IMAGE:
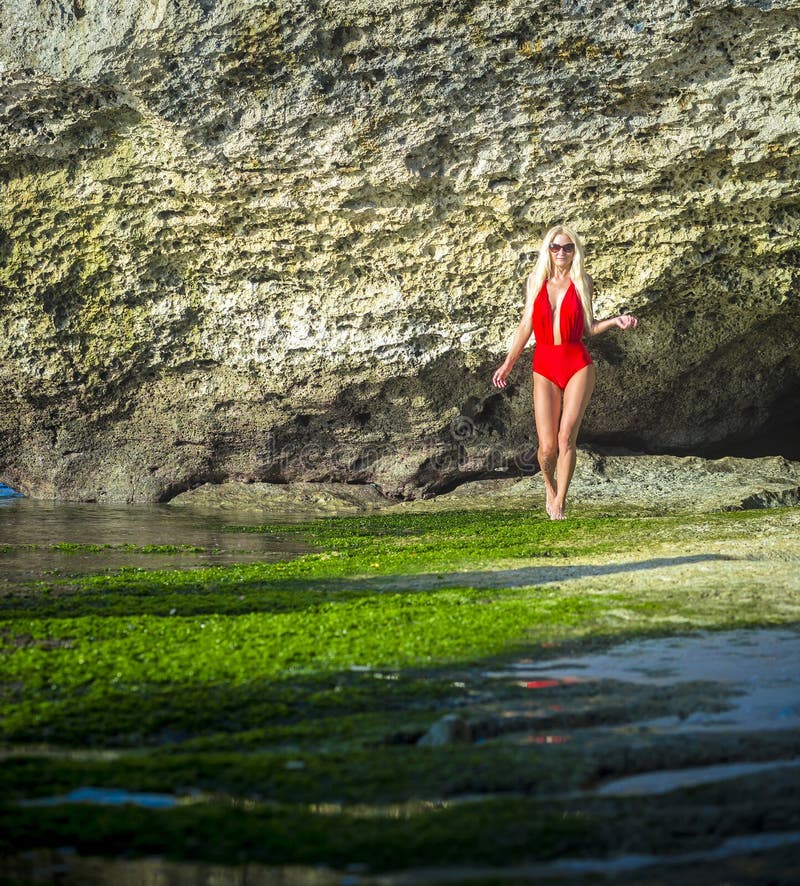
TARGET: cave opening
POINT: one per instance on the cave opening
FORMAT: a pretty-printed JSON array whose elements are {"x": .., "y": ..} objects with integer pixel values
[{"x": 779, "y": 435}]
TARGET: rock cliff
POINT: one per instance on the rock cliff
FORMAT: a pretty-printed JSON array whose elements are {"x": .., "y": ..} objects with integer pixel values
[{"x": 286, "y": 240}]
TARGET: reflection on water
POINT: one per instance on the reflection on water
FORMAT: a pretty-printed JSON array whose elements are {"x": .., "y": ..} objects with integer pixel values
[
  {"x": 25, "y": 523},
  {"x": 761, "y": 667},
  {"x": 666, "y": 780},
  {"x": 109, "y": 797},
  {"x": 68, "y": 869}
]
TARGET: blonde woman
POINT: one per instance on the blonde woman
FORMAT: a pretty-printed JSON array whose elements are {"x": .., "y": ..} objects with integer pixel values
[{"x": 558, "y": 311}]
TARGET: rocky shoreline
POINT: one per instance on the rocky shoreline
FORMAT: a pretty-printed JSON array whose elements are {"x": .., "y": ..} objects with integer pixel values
[{"x": 634, "y": 483}]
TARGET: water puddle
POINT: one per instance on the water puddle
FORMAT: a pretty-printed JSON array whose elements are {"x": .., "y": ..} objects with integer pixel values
[
  {"x": 664, "y": 781},
  {"x": 762, "y": 667},
  {"x": 108, "y": 797}
]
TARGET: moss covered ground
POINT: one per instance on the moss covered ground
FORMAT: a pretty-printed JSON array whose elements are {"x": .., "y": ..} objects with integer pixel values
[{"x": 280, "y": 703}]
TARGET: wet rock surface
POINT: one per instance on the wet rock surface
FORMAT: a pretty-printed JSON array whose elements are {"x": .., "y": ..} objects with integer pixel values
[
  {"x": 271, "y": 242},
  {"x": 451, "y": 729}
]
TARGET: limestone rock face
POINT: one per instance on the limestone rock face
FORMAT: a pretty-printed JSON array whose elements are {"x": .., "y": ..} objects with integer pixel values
[{"x": 270, "y": 241}]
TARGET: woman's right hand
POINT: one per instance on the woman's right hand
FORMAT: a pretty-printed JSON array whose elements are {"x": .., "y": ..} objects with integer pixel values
[{"x": 500, "y": 376}]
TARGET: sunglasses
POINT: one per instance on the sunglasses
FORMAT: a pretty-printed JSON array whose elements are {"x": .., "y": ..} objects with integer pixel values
[{"x": 567, "y": 247}]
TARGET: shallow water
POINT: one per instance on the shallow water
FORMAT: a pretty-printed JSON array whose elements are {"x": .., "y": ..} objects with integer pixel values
[
  {"x": 25, "y": 522},
  {"x": 109, "y": 797},
  {"x": 761, "y": 666},
  {"x": 666, "y": 780}
]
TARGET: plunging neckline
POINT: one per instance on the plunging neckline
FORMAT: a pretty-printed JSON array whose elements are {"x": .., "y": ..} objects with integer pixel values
[{"x": 555, "y": 312}]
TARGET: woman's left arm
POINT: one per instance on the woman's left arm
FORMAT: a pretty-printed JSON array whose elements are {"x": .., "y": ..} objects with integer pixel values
[{"x": 624, "y": 321}]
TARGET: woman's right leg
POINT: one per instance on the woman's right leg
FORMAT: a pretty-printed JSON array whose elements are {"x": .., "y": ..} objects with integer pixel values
[{"x": 547, "y": 414}]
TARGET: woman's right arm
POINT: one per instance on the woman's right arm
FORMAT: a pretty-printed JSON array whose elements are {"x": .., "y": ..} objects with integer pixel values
[{"x": 521, "y": 337}]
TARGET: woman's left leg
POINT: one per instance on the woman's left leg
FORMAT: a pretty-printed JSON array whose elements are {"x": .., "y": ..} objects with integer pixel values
[{"x": 577, "y": 394}]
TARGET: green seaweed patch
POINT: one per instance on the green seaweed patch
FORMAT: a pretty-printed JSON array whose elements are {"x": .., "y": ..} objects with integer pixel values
[
  {"x": 282, "y": 701},
  {"x": 494, "y": 831},
  {"x": 9, "y": 549},
  {"x": 498, "y": 531},
  {"x": 167, "y": 656},
  {"x": 417, "y": 550},
  {"x": 279, "y": 711},
  {"x": 69, "y": 547},
  {"x": 155, "y": 671},
  {"x": 75, "y": 548},
  {"x": 375, "y": 775},
  {"x": 499, "y": 830},
  {"x": 342, "y": 730}
]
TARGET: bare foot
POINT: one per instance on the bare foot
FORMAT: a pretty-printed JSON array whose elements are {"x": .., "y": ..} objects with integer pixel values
[
  {"x": 555, "y": 511},
  {"x": 549, "y": 504}
]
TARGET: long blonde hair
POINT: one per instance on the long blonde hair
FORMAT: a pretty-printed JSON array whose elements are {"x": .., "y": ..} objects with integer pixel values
[{"x": 544, "y": 270}]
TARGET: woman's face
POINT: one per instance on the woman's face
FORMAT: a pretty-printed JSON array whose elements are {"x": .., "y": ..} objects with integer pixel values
[{"x": 562, "y": 251}]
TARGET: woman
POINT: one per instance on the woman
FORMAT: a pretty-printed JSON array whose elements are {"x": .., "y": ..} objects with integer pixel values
[{"x": 558, "y": 311}]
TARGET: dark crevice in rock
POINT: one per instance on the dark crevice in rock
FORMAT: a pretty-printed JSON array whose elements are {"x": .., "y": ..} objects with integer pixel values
[
  {"x": 199, "y": 480},
  {"x": 778, "y": 435}
]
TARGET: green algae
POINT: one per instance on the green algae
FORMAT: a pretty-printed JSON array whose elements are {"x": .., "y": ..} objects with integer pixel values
[
  {"x": 72, "y": 547},
  {"x": 492, "y": 831},
  {"x": 358, "y": 777},
  {"x": 307, "y": 682},
  {"x": 7, "y": 549},
  {"x": 81, "y": 667},
  {"x": 497, "y": 830},
  {"x": 68, "y": 547},
  {"x": 385, "y": 593}
]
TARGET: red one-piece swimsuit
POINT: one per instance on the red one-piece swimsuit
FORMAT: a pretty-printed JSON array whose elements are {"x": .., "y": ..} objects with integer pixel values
[{"x": 559, "y": 363}]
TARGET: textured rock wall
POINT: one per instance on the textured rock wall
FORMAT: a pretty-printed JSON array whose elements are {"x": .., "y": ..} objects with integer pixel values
[{"x": 282, "y": 240}]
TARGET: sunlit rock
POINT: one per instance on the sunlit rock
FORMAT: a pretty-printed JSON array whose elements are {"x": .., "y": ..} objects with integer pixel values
[{"x": 272, "y": 241}]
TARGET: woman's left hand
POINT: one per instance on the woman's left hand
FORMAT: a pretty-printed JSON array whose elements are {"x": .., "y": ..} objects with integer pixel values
[{"x": 626, "y": 321}]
